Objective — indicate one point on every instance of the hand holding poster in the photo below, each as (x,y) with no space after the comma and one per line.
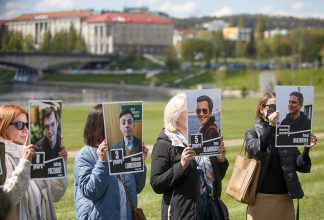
(295,107)
(45,133)
(204,121)
(123,129)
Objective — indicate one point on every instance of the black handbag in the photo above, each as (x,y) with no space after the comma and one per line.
(215,209)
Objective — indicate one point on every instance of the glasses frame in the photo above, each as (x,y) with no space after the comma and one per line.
(20,125)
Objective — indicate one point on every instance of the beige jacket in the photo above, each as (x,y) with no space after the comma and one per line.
(18,187)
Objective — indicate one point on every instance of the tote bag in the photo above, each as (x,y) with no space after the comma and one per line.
(244,180)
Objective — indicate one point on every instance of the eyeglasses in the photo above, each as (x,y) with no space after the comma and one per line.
(19,124)
(203,110)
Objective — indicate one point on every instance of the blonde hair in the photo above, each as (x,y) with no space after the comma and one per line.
(7,114)
(175,107)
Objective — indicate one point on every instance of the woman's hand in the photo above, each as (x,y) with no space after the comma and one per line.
(102,151)
(145,151)
(28,150)
(313,140)
(187,154)
(63,153)
(273,118)
(222,156)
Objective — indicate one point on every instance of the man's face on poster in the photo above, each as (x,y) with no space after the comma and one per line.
(127,125)
(294,105)
(203,112)
(50,128)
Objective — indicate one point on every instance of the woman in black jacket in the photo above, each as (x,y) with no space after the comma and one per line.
(278,184)
(173,170)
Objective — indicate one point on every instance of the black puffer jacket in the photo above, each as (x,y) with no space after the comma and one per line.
(291,160)
(180,188)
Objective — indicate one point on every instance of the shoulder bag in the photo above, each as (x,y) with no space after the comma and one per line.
(138,213)
(243,183)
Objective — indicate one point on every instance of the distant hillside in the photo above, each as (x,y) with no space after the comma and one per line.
(272,22)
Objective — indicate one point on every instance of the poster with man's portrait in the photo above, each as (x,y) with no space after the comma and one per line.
(45,134)
(204,121)
(295,107)
(123,129)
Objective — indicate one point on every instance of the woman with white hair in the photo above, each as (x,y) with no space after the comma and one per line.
(173,169)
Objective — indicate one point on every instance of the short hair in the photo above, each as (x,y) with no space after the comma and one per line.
(94,130)
(207,99)
(48,112)
(299,96)
(125,113)
(7,114)
(262,101)
(174,108)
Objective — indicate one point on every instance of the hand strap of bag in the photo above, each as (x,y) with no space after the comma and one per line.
(297,211)
(129,198)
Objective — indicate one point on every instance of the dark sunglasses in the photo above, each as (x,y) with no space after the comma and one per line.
(204,111)
(19,124)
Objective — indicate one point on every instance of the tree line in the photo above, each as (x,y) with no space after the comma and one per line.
(61,42)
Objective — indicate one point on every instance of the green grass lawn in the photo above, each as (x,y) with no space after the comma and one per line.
(238,115)
(313,185)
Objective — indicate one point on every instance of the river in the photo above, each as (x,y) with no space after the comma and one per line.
(79,93)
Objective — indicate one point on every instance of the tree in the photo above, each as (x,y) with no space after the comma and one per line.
(242,22)
(197,49)
(80,45)
(59,43)
(28,45)
(218,44)
(14,42)
(280,46)
(263,48)
(260,27)
(72,38)
(46,44)
(250,49)
(171,61)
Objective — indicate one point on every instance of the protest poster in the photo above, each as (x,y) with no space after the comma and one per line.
(123,129)
(295,107)
(45,134)
(204,121)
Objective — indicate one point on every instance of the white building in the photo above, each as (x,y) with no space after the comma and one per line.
(37,24)
(121,32)
(216,25)
(103,34)
(270,33)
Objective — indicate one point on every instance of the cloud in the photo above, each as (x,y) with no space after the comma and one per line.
(10,10)
(180,10)
(223,12)
(54,5)
(265,10)
(297,6)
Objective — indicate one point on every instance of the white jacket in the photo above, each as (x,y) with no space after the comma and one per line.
(18,185)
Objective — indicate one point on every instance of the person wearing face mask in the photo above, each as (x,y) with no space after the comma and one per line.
(32,199)
(278,183)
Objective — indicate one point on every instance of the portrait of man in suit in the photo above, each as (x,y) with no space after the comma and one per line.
(129,142)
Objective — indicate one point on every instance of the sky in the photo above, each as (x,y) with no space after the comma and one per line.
(175,8)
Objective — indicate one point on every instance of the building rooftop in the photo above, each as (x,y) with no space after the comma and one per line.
(144,18)
(54,15)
